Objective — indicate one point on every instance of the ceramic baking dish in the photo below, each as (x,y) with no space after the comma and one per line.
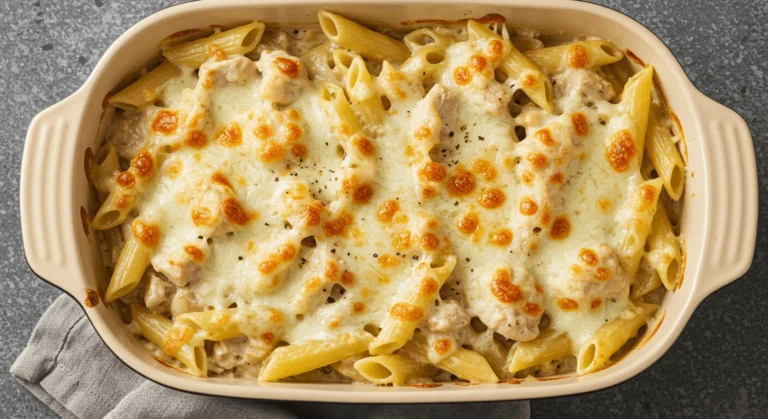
(719,220)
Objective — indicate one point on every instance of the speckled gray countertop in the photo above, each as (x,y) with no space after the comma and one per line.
(717,368)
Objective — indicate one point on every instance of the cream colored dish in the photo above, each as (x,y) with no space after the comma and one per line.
(723,248)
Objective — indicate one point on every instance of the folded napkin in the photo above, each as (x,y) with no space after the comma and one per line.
(68,367)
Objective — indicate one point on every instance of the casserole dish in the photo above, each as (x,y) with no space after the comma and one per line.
(66,250)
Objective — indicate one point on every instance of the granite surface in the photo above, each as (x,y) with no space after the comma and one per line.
(718,367)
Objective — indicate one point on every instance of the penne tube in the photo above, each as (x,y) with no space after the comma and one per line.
(156,328)
(319,62)
(662,152)
(133,260)
(145,90)
(363,94)
(635,224)
(406,314)
(368,43)
(646,280)
(426,37)
(548,346)
(300,357)
(425,62)
(518,67)
(664,254)
(597,351)
(583,54)
(238,41)
(126,190)
(346,121)
(388,369)
(636,101)
(465,364)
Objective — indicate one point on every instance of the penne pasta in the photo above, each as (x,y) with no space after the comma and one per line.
(517,66)
(663,154)
(134,259)
(636,224)
(406,314)
(301,357)
(156,328)
(368,43)
(597,351)
(583,54)
(664,254)
(465,364)
(636,101)
(237,41)
(146,89)
(548,346)
(387,369)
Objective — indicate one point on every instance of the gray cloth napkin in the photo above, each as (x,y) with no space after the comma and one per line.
(68,367)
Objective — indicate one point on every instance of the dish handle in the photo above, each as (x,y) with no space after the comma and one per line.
(48,219)
(732,197)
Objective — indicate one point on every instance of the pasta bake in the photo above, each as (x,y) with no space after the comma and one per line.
(465,201)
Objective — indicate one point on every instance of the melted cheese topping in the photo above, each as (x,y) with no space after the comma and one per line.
(263,200)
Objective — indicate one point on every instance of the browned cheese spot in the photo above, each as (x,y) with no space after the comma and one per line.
(143,165)
(595,303)
(165,122)
(262,131)
(528,206)
(561,228)
(299,150)
(484,169)
(646,197)
(201,216)
(215,52)
(434,171)
(196,139)
(146,233)
(286,252)
(406,312)
(502,237)
(422,133)
(194,253)
(293,132)
(288,67)
(219,178)
(531,309)
(468,223)
(621,150)
(428,287)
(578,56)
(388,210)
(429,242)
(273,151)
(529,80)
(347,278)
(358,308)
(231,135)
(477,63)
(492,198)
(545,137)
(538,160)
(402,240)
(567,304)
(588,257)
(363,194)
(579,124)
(603,274)
(461,183)
(503,289)
(461,75)
(442,346)
(234,212)
(126,180)
(365,146)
